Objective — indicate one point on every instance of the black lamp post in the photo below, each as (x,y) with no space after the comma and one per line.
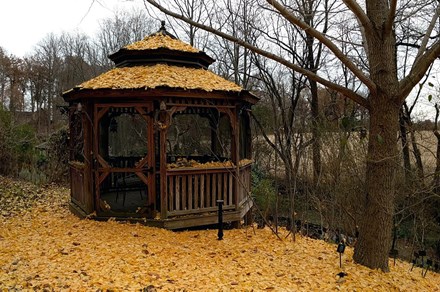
(340,250)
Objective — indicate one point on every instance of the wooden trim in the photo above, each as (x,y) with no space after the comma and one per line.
(199,210)
(153,93)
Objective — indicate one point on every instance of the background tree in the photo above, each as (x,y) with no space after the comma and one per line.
(124,28)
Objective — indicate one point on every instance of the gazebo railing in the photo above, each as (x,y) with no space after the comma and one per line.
(244,184)
(196,190)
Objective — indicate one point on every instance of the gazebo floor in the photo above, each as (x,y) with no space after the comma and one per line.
(178,222)
(125,201)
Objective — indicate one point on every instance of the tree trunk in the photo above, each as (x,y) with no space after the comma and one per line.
(375,227)
(316,134)
(374,243)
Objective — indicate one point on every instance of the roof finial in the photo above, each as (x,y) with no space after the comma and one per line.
(163,30)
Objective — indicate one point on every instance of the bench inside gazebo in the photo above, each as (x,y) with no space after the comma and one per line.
(160,138)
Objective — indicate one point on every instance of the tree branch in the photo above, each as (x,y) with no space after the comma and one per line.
(428,33)
(360,15)
(418,70)
(323,39)
(343,90)
(390,20)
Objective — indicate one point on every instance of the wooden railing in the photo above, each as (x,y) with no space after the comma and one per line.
(244,184)
(196,190)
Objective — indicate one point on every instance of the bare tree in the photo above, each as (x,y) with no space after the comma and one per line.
(123,29)
(387,91)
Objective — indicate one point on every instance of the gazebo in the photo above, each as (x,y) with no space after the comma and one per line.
(160,138)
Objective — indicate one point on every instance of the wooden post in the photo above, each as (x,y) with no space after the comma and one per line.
(90,205)
(163,127)
(236,155)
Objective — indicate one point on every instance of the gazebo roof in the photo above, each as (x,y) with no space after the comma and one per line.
(159,61)
(160,75)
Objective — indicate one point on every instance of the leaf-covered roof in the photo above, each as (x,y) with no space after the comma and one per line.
(160,75)
(159,40)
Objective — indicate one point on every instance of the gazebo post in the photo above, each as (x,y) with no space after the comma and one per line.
(89,153)
(163,127)
(235,155)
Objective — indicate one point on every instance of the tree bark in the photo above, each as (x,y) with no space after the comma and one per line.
(375,226)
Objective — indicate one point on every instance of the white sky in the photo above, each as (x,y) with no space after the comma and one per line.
(23,23)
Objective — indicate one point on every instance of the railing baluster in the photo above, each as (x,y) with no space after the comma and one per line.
(190,192)
(171,193)
(196,191)
(230,185)
(183,190)
(202,191)
(208,190)
(213,190)
(177,207)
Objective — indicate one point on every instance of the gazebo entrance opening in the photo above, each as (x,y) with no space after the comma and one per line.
(125,158)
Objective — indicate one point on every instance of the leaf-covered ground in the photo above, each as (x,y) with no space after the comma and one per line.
(44,247)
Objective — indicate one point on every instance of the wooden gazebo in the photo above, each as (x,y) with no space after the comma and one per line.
(160,138)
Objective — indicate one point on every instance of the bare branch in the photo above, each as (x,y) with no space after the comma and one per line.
(360,15)
(428,33)
(345,91)
(323,39)
(418,70)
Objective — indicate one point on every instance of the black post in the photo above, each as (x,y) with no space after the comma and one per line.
(340,250)
(220,219)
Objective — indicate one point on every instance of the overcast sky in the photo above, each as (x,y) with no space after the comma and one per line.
(23,23)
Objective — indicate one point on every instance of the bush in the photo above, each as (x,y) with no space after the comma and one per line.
(17,144)
(33,175)
(56,161)
(264,192)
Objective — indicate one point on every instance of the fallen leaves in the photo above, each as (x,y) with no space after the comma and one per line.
(46,247)
(17,196)
(185,163)
(150,77)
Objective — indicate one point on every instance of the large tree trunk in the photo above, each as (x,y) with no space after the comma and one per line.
(375,227)
(373,246)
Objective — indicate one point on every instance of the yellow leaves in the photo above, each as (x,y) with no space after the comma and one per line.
(150,77)
(157,41)
(46,247)
(184,163)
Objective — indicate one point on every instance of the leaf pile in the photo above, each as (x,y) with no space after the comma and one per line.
(46,247)
(149,77)
(185,163)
